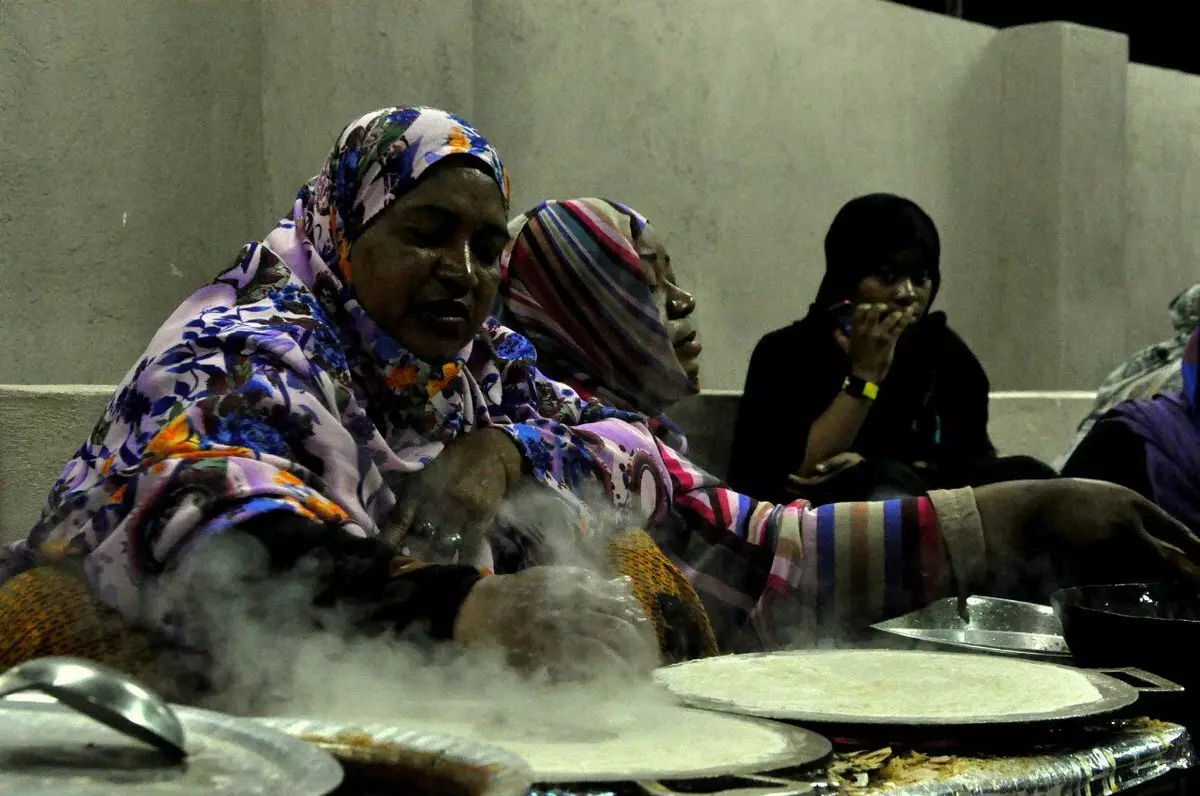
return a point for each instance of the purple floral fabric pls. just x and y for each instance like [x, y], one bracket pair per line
[270, 389]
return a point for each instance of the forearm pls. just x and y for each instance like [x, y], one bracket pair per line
[834, 431]
[839, 568]
[363, 573]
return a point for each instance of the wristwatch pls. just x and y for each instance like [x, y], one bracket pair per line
[860, 388]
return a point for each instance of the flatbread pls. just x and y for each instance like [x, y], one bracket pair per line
[665, 741]
[880, 685]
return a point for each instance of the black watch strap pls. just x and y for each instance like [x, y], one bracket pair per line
[860, 388]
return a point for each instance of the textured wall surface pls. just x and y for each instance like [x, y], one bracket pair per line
[325, 63]
[741, 135]
[1162, 250]
[143, 142]
[41, 427]
[130, 149]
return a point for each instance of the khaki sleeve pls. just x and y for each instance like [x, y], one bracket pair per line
[962, 533]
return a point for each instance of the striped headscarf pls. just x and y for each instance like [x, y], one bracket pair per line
[574, 285]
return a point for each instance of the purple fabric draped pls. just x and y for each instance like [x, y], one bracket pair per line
[1169, 425]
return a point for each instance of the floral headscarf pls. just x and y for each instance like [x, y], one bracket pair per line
[575, 285]
[270, 389]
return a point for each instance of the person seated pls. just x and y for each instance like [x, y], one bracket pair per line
[1151, 371]
[879, 396]
[592, 285]
[1151, 445]
[339, 401]
[336, 419]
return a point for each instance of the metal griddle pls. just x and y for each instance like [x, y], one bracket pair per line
[46, 748]
[803, 748]
[1115, 696]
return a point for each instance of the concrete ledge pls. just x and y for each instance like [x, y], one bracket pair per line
[41, 426]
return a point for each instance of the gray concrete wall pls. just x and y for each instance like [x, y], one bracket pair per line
[131, 158]
[326, 62]
[41, 427]
[135, 136]
[1061, 215]
[1162, 147]
[144, 141]
[742, 134]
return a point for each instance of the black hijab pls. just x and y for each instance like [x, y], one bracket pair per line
[933, 405]
[865, 234]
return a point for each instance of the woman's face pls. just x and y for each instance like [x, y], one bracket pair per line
[427, 269]
[901, 282]
[675, 306]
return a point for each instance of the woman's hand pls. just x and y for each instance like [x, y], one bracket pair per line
[569, 621]
[872, 341]
[1081, 532]
[445, 508]
[827, 469]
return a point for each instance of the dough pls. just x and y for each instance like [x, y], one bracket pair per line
[664, 741]
[881, 685]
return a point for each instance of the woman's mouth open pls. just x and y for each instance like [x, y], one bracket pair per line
[688, 346]
[445, 317]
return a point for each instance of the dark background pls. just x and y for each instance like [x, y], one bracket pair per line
[1157, 29]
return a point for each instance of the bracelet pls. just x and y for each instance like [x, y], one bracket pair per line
[860, 388]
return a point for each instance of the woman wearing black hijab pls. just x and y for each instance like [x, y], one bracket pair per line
[870, 396]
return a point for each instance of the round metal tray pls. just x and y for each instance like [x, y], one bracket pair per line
[1114, 696]
[802, 747]
[46, 748]
[493, 771]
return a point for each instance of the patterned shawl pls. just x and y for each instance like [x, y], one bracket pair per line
[270, 389]
[1152, 371]
[573, 284]
[1170, 426]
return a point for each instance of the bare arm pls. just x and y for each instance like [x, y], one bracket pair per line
[870, 346]
[834, 431]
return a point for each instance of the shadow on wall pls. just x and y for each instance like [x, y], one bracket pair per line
[42, 426]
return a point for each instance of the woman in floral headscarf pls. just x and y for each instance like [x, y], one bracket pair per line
[339, 394]
[591, 284]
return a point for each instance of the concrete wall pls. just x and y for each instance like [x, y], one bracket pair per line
[144, 141]
[741, 135]
[132, 165]
[326, 62]
[1162, 252]
[135, 136]
[41, 427]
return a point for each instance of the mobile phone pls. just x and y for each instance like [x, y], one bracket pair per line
[842, 315]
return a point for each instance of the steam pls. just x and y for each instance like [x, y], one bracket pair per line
[273, 653]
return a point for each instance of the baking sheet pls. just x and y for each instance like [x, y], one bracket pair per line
[798, 747]
[1114, 695]
[46, 748]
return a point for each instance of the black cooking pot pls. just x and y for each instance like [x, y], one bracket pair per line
[1151, 626]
